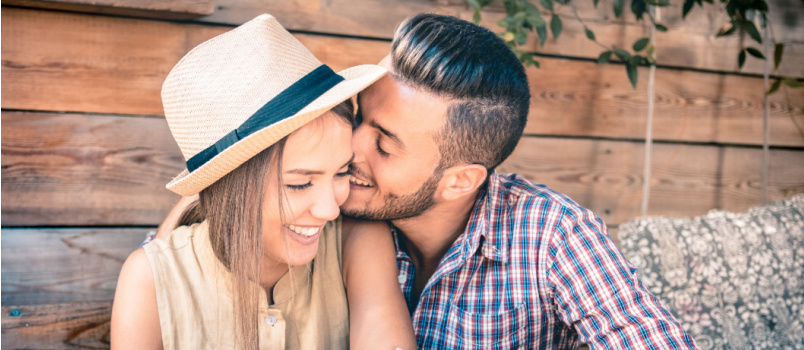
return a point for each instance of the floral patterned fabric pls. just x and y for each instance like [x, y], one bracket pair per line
[733, 281]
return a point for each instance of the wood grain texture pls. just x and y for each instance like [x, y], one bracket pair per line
[104, 170]
[100, 64]
[113, 65]
[689, 43]
[688, 180]
[78, 325]
[586, 99]
[42, 266]
[71, 62]
[58, 285]
[62, 169]
[172, 9]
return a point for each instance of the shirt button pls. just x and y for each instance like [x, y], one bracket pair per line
[402, 278]
[270, 320]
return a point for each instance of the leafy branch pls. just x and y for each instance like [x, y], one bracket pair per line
[523, 17]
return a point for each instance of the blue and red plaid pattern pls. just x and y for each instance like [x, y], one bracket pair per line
[534, 270]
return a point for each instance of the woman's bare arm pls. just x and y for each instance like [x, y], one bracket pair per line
[378, 315]
[135, 318]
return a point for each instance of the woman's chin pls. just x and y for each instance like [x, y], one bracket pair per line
[303, 248]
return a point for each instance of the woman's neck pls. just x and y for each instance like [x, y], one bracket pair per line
[271, 273]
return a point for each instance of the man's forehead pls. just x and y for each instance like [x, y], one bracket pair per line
[398, 108]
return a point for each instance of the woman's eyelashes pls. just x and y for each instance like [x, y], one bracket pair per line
[299, 187]
[341, 174]
[344, 173]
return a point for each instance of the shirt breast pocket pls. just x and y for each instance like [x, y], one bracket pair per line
[506, 329]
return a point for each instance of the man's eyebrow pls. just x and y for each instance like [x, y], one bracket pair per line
[316, 172]
[390, 135]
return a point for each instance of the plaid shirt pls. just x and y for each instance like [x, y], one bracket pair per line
[533, 270]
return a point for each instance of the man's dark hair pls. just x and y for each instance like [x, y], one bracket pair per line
[470, 65]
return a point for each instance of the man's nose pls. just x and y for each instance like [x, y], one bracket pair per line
[359, 139]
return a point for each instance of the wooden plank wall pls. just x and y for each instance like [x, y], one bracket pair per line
[86, 151]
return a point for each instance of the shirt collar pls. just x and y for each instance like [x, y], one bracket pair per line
[485, 229]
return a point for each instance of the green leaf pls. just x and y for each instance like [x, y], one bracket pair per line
[521, 36]
[636, 60]
[534, 16]
[752, 31]
[476, 17]
[555, 26]
[510, 7]
[604, 57]
[638, 8]
[595, 2]
[661, 27]
[632, 73]
[658, 3]
[775, 87]
[756, 53]
[475, 5]
[503, 23]
[651, 49]
[537, 21]
[526, 58]
[641, 44]
[622, 54]
[589, 34]
[532, 10]
[542, 31]
[793, 82]
[688, 4]
[778, 50]
[727, 29]
[548, 4]
[741, 59]
[618, 7]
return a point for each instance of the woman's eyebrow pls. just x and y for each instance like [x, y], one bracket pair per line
[316, 172]
[349, 161]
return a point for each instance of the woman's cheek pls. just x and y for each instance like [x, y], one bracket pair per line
[341, 190]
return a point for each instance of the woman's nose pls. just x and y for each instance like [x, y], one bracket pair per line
[326, 206]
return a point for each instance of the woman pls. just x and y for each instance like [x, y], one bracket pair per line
[266, 132]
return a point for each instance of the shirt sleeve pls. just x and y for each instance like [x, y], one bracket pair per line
[598, 293]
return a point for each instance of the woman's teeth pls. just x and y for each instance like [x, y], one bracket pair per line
[304, 231]
[358, 182]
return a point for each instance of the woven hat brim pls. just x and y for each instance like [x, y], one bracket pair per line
[355, 80]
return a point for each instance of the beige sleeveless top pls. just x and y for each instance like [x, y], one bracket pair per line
[194, 297]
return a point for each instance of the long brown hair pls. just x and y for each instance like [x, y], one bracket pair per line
[232, 207]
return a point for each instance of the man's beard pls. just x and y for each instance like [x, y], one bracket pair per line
[396, 207]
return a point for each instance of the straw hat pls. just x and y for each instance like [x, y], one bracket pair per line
[240, 92]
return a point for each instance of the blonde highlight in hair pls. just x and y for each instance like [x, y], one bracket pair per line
[232, 207]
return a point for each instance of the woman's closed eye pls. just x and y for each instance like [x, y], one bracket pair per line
[299, 187]
[344, 173]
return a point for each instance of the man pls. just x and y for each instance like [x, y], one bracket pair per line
[485, 260]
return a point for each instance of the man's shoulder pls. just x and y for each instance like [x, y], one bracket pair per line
[539, 207]
[516, 189]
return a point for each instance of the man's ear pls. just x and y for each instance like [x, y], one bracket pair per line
[462, 180]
